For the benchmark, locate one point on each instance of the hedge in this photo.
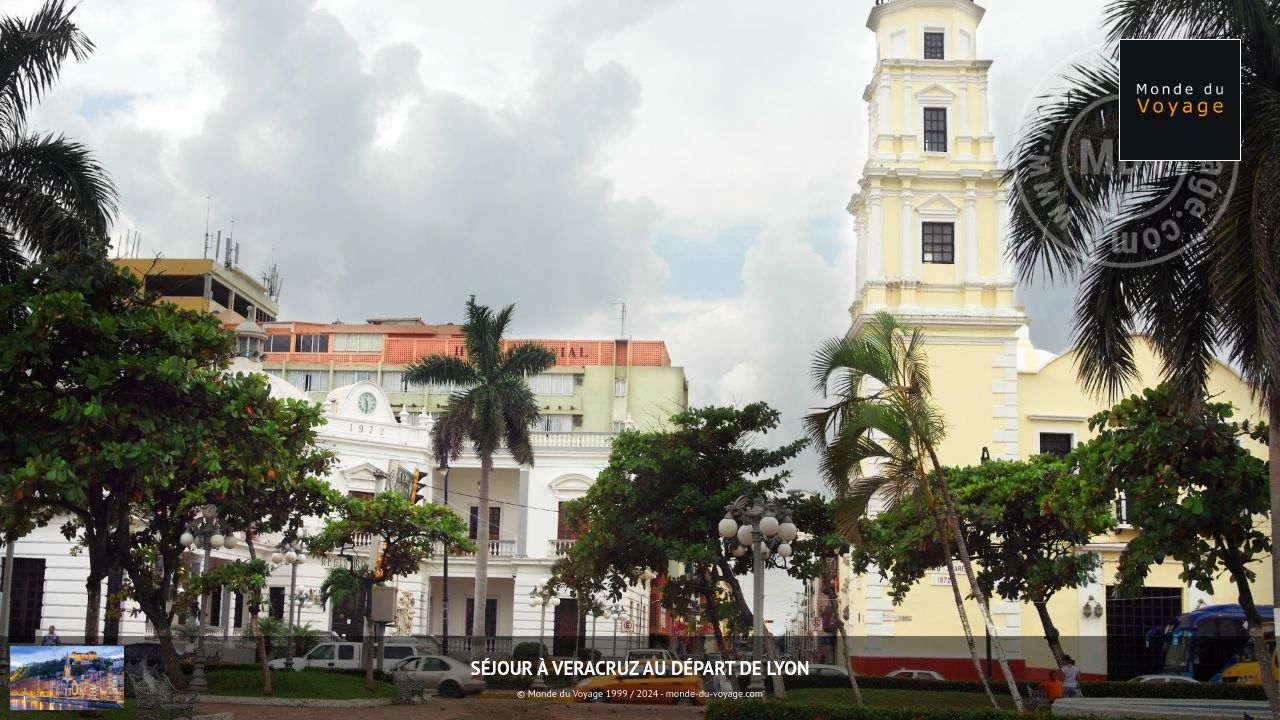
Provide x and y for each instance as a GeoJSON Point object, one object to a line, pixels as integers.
{"type": "Point", "coordinates": [378, 676]}
{"type": "Point", "coordinates": [768, 710]}
{"type": "Point", "coordinates": [1183, 691]}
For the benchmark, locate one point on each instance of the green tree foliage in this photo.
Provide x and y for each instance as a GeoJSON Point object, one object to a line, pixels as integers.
{"type": "Point", "coordinates": [53, 194]}
{"type": "Point", "coordinates": [96, 376]}
{"type": "Point", "coordinates": [406, 535]}
{"type": "Point", "coordinates": [1024, 523]}
{"type": "Point", "coordinates": [1197, 494]}
{"type": "Point", "coordinates": [491, 408]}
{"type": "Point", "coordinates": [662, 495]}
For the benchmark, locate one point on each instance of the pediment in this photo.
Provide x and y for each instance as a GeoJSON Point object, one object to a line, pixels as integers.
{"type": "Point", "coordinates": [935, 93]}
{"type": "Point", "coordinates": [938, 203]}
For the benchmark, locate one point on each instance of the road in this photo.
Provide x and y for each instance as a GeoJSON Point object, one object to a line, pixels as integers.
{"type": "Point", "coordinates": [473, 708]}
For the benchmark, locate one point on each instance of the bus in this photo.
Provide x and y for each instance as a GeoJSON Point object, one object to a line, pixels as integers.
{"type": "Point", "coordinates": [1202, 643]}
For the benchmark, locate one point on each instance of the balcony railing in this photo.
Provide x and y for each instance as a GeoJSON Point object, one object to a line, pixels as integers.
{"type": "Point", "coordinates": [572, 440]}
{"type": "Point", "coordinates": [497, 548]}
{"type": "Point", "coordinates": [560, 546]}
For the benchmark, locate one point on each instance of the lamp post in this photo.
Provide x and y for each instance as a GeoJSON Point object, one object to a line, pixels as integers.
{"type": "Point", "coordinates": [765, 527]}
{"type": "Point", "coordinates": [542, 595]}
{"type": "Point", "coordinates": [292, 554]}
{"type": "Point", "coordinates": [206, 533]}
{"type": "Point", "coordinates": [615, 612]}
{"type": "Point", "coordinates": [444, 596]}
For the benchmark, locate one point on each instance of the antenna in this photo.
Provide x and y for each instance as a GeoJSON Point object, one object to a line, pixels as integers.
{"type": "Point", "coordinates": [622, 332]}
{"type": "Point", "coordinates": [208, 200]}
{"type": "Point", "coordinates": [217, 247]}
{"type": "Point", "coordinates": [237, 253]}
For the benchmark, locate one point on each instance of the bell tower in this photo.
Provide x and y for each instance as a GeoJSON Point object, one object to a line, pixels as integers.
{"type": "Point", "coordinates": [929, 215]}
{"type": "Point", "coordinates": [929, 211]}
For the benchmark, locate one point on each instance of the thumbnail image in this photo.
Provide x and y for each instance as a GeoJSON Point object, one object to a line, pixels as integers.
{"type": "Point", "coordinates": [78, 677]}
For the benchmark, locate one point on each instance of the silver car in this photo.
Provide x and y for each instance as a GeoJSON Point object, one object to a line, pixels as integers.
{"type": "Point", "coordinates": [1164, 678]}
{"type": "Point", "coordinates": [444, 676]}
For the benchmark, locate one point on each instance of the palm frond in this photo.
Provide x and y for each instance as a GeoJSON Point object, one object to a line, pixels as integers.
{"type": "Point", "coordinates": [440, 369]}
{"type": "Point", "coordinates": [32, 51]}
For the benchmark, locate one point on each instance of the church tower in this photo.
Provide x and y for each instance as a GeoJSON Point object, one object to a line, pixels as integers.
{"type": "Point", "coordinates": [930, 217]}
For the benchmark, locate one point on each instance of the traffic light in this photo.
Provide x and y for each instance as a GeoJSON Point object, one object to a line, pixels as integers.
{"type": "Point", "coordinates": [421, 491]}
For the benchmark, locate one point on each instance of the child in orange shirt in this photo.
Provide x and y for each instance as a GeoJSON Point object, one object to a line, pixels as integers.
{"type": "Point", "coordinates": [1052, 687]}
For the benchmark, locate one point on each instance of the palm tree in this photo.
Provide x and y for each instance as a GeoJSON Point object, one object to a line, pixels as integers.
{"type": "Point", "coordinates": [491, 407]}
{"type": "Point", "coordinates": [883, 416]}
{"type": "Point", "coordinates": [53, 194]}
{"type": "Point", "coordinates": [1215, 287]}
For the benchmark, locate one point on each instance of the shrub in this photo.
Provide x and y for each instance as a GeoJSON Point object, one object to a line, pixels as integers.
{"type": "Point", "coordinates": [529, 651]}
{"type": "Point", "coordinates": [768, 710]}
{"type": "Point", "coordinates": [589, 654]}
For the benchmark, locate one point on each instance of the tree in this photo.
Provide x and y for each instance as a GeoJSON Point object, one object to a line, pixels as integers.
{"type": "Point", "coordinates": [1024, 523]}
{"type": "Point", "coordinates": [491, 407]}
{"type": "Point", "coordinates": [1193, 488]}
{"type": "Point", "coordinates": [1216, 285]}
{"type": "Point", "coordinates": [662, 495]}
{"type": "Point", "coordinates": [96, 374]}
{"type": "Point", "coordinates": [53, 194]}
{"type": "Point", "coordinates": [271, 479]}
{"type": "Point", "coordinates": [407, 536]}
{"type": "Point", "coordinates": [884, 416]}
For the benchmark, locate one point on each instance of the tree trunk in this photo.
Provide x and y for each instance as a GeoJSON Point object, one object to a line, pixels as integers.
{"type": "Point", "coordinates": [111, 628]}
{"type": "Point", "coordinates": [844, 643]}
{"type": "Point", "coordinates": [93, 609]}
{"type": "Point", "coordinates": [482, 561]}
{"type": "Point", "coordinates": [771, 649]}
{"type": "Point", "coordinates": [981, 597]}
{"type": "Point", "coordinates": [367, 645]}
{"type": "Point", "coordinates": [1260, 650]}
{"type": "Point", "coordinates": [255, 608]}
{"type": "Point", "coordinates": [169, 657]}
{"type": "Point", "coordinates": [964, 614]}
{"type": "Point", "coordinates": [748, 618]}
{"type": "Point", "coordinates": [1051, 634]}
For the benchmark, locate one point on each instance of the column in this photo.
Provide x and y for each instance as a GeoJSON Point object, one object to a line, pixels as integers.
{"type": "Point", "coordinates": [910, 142]}
{"type": "Point", "coordinates": [884, 118]}
{"type": "Point", "coordinates": [962, 122]}
{"type": "Point", "coordinates": [875, 237]}
{"type": "Point", "coordinates": [522, 525]}
{"type": "Point", "coordinates": [908, 234]}
{"type": "Point", "coordinates": [1002, 238]}
{"type": "Point", "coordinates": [971, 235]}
{"type": "Point", "coordinates": [986, 115]}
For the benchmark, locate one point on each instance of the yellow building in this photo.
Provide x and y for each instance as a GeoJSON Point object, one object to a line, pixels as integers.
{"type": "Point", "coordinates": [930, 220]}
{"type": "Point", "coordinates": [206, 285]}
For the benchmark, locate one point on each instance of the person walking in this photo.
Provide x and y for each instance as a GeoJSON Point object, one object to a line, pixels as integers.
{"type": "Point", "coordinates": [52, 637]}
{"type": "Point", "coordinates": [1070, 677]}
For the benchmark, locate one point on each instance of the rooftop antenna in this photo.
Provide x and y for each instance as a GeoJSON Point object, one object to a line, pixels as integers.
{"type": "Point", "coordinates": [622, 331]}
{"type": "Point", "coordinates": [208, 200]}
{"type": "Point", "coordinates": [137, 242]}
{"type": "Point", "coordinates": [217, 246]}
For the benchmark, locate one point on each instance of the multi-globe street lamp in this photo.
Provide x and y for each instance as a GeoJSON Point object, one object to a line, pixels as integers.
{"type": "Point", "coordinates": [293, 555]}
{"type": "Point", "coordinates": [615, 612]}
{"type": "Point", "coordinates": [207, 533]}
{"type": "Point", "coordinates": [542, 594]}
{"type": "Point", "coordinates": [764, 527]}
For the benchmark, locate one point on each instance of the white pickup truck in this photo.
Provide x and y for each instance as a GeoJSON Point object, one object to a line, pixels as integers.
{"type": "Point", "coordinates": [346, 655]}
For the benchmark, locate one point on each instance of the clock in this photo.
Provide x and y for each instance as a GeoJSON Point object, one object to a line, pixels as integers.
{"type": "Point", "coordinates": [366, 403]}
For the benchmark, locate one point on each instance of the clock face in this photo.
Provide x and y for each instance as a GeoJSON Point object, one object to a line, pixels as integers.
{"type": "Point", "coordinates": [366, 402]}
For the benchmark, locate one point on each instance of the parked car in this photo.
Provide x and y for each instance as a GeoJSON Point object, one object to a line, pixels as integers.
{"type": "Point", "coordinates": [649, 654]}
{"type": "Point", "coordinates": [648, 686]}
{"type": "Point", "coordinates": [445, 676]}
{"type": "Point", "coordinates": [909, 674]}
{"type": "Point", "coordinates": [346, 655]}
{"type": "Point", "coordinates": [1164, 678]}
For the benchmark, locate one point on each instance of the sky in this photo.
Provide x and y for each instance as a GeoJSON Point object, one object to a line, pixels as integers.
{"type": "Point", "coordinates": [690, 159]}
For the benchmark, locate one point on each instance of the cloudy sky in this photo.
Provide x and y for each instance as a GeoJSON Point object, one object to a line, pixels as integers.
{"type": "Point", "coordinates": [692, 159]}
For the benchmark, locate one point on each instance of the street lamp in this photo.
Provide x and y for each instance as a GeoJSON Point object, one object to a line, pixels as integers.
{"type": "Point", "coordinates": [765, 527]}
{"type": "Point", "coordinates": [292, 554]}
{"type": "Point", "coordinates": [205, 533]}
{"type": "Point", "coordinates": [615, 612]}
{"type": "Point", "coordinates": [542, 594]}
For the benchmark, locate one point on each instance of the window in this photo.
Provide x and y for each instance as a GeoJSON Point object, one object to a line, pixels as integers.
{"type": "Point", "coordinates": [566, 530]}
{"type": "Point", "coordinates": [434, 664]}
{"type": "Point", "coordinates": [397, 652]}
{"type": "Point", "coordinates": [620, 387]}
{"type": "Point", "coordinates": [551, 383]}
{"type": "Point", "coordinates": [554, 423]}
{"type": "Point", "coordinates": [351, 377]}
{"type": "Point", "coordinates": [278, 343]}
{"type": "Point", "coordinates": [322, 652]}
{"type": "Point", "coordinates": [490, 615]}
{"type": "Point", "coordinates": [933, 46]}
{"type": "Point", "coordinates": [357, 342]}
{"type": "Point", "coordinates": [1057, 443]}
{"type": "Point", "coordinates": [938, 243]}
{"type": "Point", "coordinates": [276, 602]}
{"type": "Point", "coordinates": [308, 380]}
{"type": "Point", "coordinates": [346, 652]}
{"type": "Point", "coordinates": [935, 129]}
{"type": "Point", "coordinates": [393, 381]}
{"type": "Point", "coordinates": [577, 421]}
{"type": "Point", "coordinates": [1122, 510]}
{"type": "Point", "coordinates": [495, 522]}
{"type": "Point", "coordinates": [311, 343]}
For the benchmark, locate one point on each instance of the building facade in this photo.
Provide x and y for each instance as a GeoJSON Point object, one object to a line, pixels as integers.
{"type": "Point", "coordinates": [929, 215]}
